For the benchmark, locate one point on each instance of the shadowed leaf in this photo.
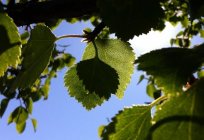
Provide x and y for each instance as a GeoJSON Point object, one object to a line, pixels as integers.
{"type": "Point", "coordinates": [118, 55]}
{"type": "Point", "coordinates": [116, 15]}
{"type": "Point", "coordinates": [3, 106]}
{"type": "Point", "coordinates": [172, 67]}
{"type": "Point", "coordinates": [37, 56]}
{"type": "Point", "coordinates": [115, 53]}
{"type": "Point", "coordinates": [77, 90]}
{"type": "Point", "coordinates": [98, 77]}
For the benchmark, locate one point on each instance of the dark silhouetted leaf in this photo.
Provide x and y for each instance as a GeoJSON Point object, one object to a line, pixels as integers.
{"type": "Point", "coordinates": [172, 67]}
{"type": "Point", "coordinates": [127, 18]}
{"type": "Point", "coordinates": [3, 106]}
{"type": "Point", "coordinates": [98, 77]}
{"type": "Point", "coordinates": [181, 117]}
{"type": "Point", "coordinates": [10, 43]}
{"type": "Point", "coordinates": [130, 124]}
{"type": "Point", "coordinates": [37, 56]}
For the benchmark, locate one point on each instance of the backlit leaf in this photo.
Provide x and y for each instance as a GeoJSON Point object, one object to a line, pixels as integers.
{"type": "Point", "coordinates": [115, 53]}
{"type": "Point", "coordinates": [20, 127]}
{"type": "Point", "coordinates": [118, 55]}
{"type": "Point", "coordinates": [36, 58]}
{"type": "Point", "coordinates": [77, 90]}
{"type": "Point", "coordinates": [34, 122]}
{"type": "Point", "coordinates": [151, 89]}
{"type": "Point", "coordinates": [10, 43]}
{"type": "Point", "coordinates": [22, 115]}
{"type": "Point", "coordinates": [202, 33]}
{"type": "Point", "coordinates": [172, 67]}
{"type": "Point", "coordinates": [200, 74]}
{"type": "Point", "coordinates": [19, 115]}
{"type": "Point", "coordinates": [130, 124]}
{"type": "Point", "coordinates": [29, 105]}
{"type": "Point", "coordinates": [182, 117]}
{"type": "Point", "coordinates": [98, 77]}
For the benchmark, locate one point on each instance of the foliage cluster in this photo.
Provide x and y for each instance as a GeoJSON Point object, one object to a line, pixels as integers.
{"type": "Point", "coordinates": [175, 74]}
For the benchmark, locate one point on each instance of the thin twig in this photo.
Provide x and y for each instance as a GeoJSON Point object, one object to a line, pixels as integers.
{"type": "Point", "coordinates": [70, 36]}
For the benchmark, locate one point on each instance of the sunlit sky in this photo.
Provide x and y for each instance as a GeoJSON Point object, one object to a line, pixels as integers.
{"type": "Point", "coordinates": [62, 117]}
{"type": "Point", "coordinates": [154, 39]}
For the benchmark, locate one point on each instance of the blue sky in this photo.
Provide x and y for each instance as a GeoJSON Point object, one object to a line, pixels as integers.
{"type": "Point", "coordinates": [62, 117]}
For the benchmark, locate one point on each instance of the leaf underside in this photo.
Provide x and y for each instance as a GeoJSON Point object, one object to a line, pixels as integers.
{"type": "Point", "coordinates": [182, 117]}
{"type": "Point", "coordinates": [172, 67]}
{"type": "Point", "coordinates": [131, 123]}
{"type": "Point", "coordinates": [76, 89]}
{"type": "Point", "coordinates": [37, 56]}
{"type": "Point", "coordinates": [113, 56]}
{"type": "Point", "coordinates": [10, 44]}
{"type": "Point", "coordinates": [118, 55]}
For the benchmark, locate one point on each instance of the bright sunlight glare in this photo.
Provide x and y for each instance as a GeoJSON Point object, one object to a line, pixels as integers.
{"type": "Point", "coordinates": [154, 39]}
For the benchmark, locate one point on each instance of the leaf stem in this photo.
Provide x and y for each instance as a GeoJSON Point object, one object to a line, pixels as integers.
{"type": "Point", "coordinates": [70, 36]}
{"type": "Point", "coordinates": [96, 49]}
{"type": "Point", "coordinates": [162, 98]}
{"type": "Point", "coordinates": [88, 36]}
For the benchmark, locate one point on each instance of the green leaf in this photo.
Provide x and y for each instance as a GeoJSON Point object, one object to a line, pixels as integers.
{"type": "Point", "coordinates": [45, 89]}
{"type": "Point", "coordinates": [13, 115]}
{"type": "Point", "coordinates": [24, 37]}
{"type": "Point", "coordinates": [141, 79]}
{"type": "Point", "coordinates": [151, 89]}
{"type": "Point", "coordinates": [29, 105]}
{"type": "Point", "coordinates": [36, 58]}
{"type": "Point", "coordinates": [200, 74]}
{"type": "Point", "coordinates": [171, 67]}
{"type": "Point", "coordinates": [22, 116]}
{"type": "Point", "coordinates": [115, 53]}
{"type": "Point", "coordinates": [34, 122]}
{"type": "Point", "coordinates": [20, 127]}
{"type": "Point", "coordinates": [3, 106]}
{"type": "Point", "coordinates": [98, 77]}
{"type": "Point", "coordinates": [100, 130]}
{"type": "Point", "coordinates": [202, 33]}
{"type": "Point", "coordinates": [36, 96]}
{"type": "Point", "coordinates": [130, 124]}
{"type": "Point", "coordinates": [10, 44]}
{"type": "Point", "coordinates": [77, 90]}
{"type": "Point", "coordinates": [118, 55]}
{"type": "Point", "coordinates": [19, 115]}
{"type": "Point", "coordinates": [181, 117]}
{"type": "Point", "coordinates": [128, 18]}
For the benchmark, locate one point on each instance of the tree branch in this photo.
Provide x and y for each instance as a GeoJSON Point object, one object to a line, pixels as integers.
{"type": "Point", "coordinates": [35, 12]}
